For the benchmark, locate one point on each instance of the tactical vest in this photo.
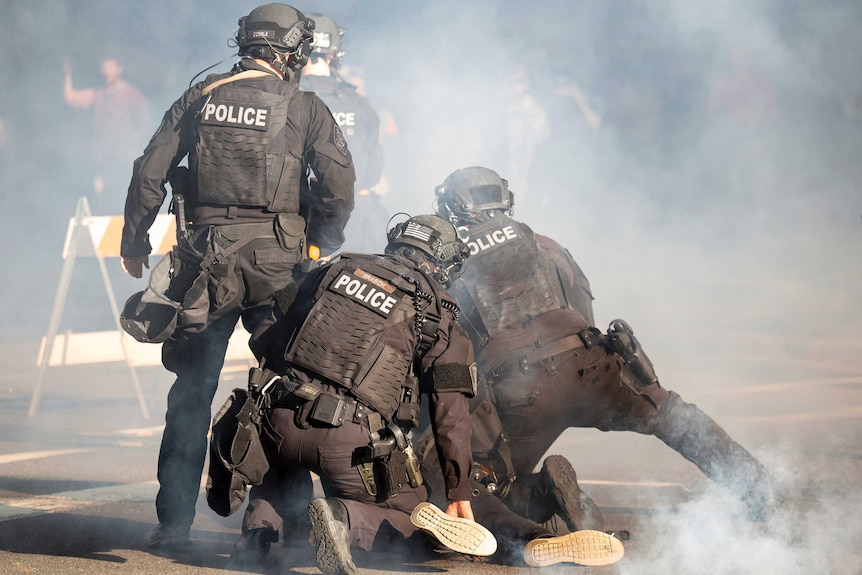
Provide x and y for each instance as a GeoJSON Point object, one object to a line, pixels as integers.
{"type": "Point", "coordinates": [340, 336]}
{"type": "Point", "coordinates": [507, 280]}
{"type": "Point", "coordinates": [342, 99]}
{"type": "Point", "coordinates": [236, 164]}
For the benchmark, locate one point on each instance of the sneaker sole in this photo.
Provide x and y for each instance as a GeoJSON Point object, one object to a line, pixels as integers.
{"type": "Point", "coordinates": [332, 556]}
{"type": "Point", "coordinates": [458, 534]}
{"type": "Point", "coordinates": [587, 547]}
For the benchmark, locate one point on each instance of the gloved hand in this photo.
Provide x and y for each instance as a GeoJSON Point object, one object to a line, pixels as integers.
{"type": "Point", "coordinates": [134, 266]}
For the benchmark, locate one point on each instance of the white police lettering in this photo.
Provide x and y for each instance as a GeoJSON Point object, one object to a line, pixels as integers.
{"type": "Point", "coordinates": [345, 118]}
{"type": "Point", "coordinates": [378, 300]}
{"type": "Point", "coordinates": [491, 239]}
{"type": "Point", "coordinates": [230, 115]}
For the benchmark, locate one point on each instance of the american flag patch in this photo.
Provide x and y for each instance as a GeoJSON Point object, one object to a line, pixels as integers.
{"type": "Point", "coordinates": [417, 231]}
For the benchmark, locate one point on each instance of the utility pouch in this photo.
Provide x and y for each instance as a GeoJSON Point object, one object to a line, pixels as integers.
{"type": "Point", "coordinates": [237, 458]}
{"type": "Point", "coordinates": [328, 409]}
{"type": "Point", "coordinates": [290, 233]}
{"type": "Point", "coordinates": [408, 409]}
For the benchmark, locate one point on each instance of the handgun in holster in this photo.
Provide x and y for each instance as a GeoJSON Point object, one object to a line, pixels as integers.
{"type": "Point", "coordinates": [622, 341]}
{"type": "Point", "coordinates": [390, 450]}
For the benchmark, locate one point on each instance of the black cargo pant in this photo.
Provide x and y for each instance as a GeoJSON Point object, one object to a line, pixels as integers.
{"type": "Point", "coordinates": [251, 276]}
{"type": "Point", "coordinates": [330, 452]}
{"type": "Point", "coordinates": [592, 388]}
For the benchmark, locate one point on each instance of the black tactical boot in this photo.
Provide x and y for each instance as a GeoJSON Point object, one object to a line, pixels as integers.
{"type": "Point", "coordinates": [558, 483]}
{"type": "Point", "coordinates": [253, 546]}
{"type": "Point", "coordinates": [331, 529]}
{"type": "Point", "coordinates": [697, 437]}
{"type": "Point", "coordinates": [169, 538]}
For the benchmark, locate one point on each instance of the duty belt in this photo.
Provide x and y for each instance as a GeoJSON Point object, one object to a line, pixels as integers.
{"type": "Point", "coordinates": [541, 351]}
{"type": "Point", "coordinates": [324, 407]}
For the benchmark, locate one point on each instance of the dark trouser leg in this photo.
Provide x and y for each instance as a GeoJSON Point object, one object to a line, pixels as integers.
{"type": "Point", "coordinates": [554, 491]}
{"type": "Point", "coordinates": [331, 452]}
{"type": "Point", "coordinates": [511, 529]}
{"type": "Point", "coordinates": [694, 435]}
{"type": "Point", "coordinates": [197, 360]}
{"type": "Point", "coordinates": [282, 499]}
{"type": "Point", "coordinates": [602, 393]}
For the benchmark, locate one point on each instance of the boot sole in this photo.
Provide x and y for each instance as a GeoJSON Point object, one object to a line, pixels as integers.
{"type": "Point", "coordinates": [587, 547]}
{"type": "Point", "coordinates": [573, 508]}
{"type": "Point", "coordinates": [333, 549]}
{"type": "Point", "coordinates": [459, 535]}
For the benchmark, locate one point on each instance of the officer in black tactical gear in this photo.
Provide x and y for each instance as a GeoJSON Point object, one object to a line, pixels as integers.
{"type": "Point", "coordinates": [251, 215]}
{"type": "Point", "coordinates": [345, 360]}
{"type": "Point", "coordinates": [528, 309]}
{"type": "Point", "coordinates": [361, 126]}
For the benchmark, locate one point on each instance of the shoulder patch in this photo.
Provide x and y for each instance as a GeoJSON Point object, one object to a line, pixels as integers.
{"type": "Point", "coordinates": [338, 140]}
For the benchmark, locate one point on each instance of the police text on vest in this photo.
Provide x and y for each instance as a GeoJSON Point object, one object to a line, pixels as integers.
{"type": "Point", "coordinates": [363, 292]}
{"type": "Point", "coordinates": [491, 239]}
{"type": "Point", "coordinates": [230, 115]}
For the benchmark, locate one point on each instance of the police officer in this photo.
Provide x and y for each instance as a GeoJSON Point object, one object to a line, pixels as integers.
{"type": "Point", "coordinates": [528, 309]}
{"type": "Point", "coordinates": [361, 126]}
{"type": "Point", "coordinates": [355, 348]}
{"type": "Point", "coordinates": [250, 136]}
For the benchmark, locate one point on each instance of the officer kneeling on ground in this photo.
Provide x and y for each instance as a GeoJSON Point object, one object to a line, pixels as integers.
{"type": "Point", "coordinates": [527, 307]}
{"type": "Point", "coordinates": [344, 360]}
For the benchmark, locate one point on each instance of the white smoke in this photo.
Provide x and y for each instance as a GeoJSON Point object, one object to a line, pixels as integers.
{"type": "Point", "coordinates": [815, 529]}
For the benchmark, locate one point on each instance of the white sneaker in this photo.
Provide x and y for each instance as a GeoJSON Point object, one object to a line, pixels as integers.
{"type": "Point", "coordinates": [459, 535]}
{"type": "Point", "coordinates": [586, 547]}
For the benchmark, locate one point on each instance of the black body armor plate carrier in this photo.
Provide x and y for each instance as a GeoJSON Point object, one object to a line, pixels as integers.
{"type": "Point", "coordinates": [505, 280]}
{"type": "Point", "coordinates": [238, 160]}
{"type": "Point", "coordinates": [340, 336]}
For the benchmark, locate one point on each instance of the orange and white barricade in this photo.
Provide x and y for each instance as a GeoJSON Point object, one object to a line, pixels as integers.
{"type": "Point", "coordinates": [99, 237]}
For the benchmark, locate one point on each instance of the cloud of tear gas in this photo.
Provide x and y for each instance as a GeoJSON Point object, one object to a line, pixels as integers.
{"type": "Point", "coordinates": [814, 529]}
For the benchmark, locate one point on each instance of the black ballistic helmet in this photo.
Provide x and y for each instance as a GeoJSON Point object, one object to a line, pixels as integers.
{"type": "Point", "coordinates": [276, 28]}
{"type": "Point", "coordinates": [433, 239]}
{"type": "Point", "coordinates": [327, 36]}
{"type": "Point", "coordinates": [468, 192]}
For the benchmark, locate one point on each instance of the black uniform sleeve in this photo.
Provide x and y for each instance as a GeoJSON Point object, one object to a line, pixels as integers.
{"type": "Point", "coordinates": [147, 191]}
{"type": "Point", "coordinates": [329, 200]}
{"type": "Point", "coordinates": [450, 411]}
{"type": "Point", "coordinates": [577, 285]}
